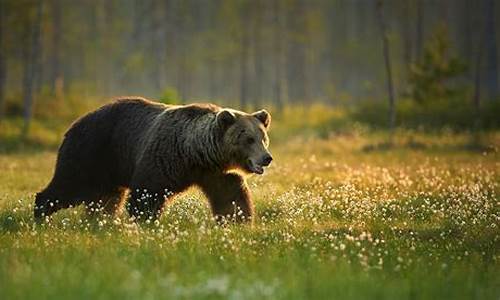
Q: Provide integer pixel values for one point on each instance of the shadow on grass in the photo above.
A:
(12, 222)
(473, 147)
(477, 147)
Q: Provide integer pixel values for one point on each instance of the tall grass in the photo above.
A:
(335, 219)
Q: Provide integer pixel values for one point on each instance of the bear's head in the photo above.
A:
(245, 139)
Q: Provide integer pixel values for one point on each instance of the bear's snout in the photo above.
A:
(266, 160)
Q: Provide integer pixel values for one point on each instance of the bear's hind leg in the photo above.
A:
(108, 203)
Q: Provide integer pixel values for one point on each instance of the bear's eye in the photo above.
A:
(250, 140)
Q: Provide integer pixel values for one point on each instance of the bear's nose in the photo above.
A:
(267, 160)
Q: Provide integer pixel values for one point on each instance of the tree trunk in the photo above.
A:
(387, 60)
(30, 59)
(159, 45)
(109, 13)
(56, 80)
(244, 68)
(171, 38)
(407, 35)
(181, 31)
(476, 99)
(491, 79)
(3, 69)
(298, 50)
(477, 85)
(280, 81)
(37, 62)
(258, 53)
(304, 6)
(419, 29)
(466, 44)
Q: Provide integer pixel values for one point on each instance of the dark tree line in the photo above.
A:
(238, 51)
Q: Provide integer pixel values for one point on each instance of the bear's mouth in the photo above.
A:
(254, 168)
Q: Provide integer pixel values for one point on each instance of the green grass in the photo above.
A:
(336, 218)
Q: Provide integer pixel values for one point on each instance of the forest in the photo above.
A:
(249, 53)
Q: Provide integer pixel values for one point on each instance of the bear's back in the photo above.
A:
(142, 106)
(105, 138)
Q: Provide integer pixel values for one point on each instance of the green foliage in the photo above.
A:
(315, 121)
(454, 113)
(431, 78)
(170, 96)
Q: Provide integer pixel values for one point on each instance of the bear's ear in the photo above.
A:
(263, 116)
(225, 118)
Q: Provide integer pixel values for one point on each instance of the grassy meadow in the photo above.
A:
(339, 215)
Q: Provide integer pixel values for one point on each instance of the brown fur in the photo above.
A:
(154, 151)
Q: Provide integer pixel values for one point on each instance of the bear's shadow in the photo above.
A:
(12, 222)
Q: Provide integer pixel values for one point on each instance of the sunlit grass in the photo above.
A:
(333, 220)
(341, 213)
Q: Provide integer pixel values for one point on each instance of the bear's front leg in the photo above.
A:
(229, 196)
(146, 204)
(149, 190)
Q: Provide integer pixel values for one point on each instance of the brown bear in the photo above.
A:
(147, 152)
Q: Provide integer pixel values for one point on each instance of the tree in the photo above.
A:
(407, 33)
(477, 84)
(491, 79)
(230, 50)
(280, 80)
(468, 32)
(419, 28)
(299, 51)
(3, 69)
(181, 31)
(244, 57)
(431, 76)
(159, 27)
(31, 54)
(258, 52)
(387, 61)
(56, 80)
